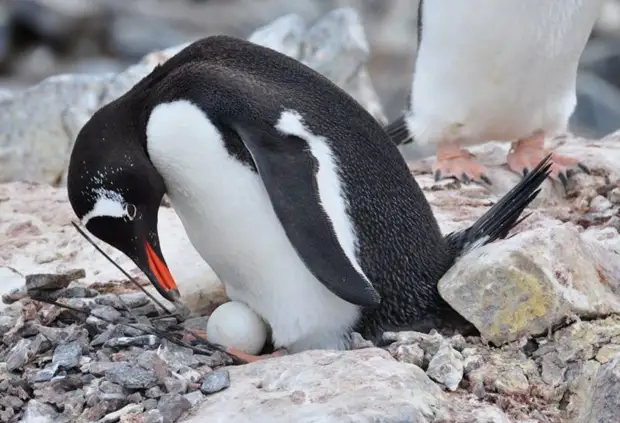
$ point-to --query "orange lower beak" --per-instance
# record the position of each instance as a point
(162, 274)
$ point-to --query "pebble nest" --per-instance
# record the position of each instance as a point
(100, 359)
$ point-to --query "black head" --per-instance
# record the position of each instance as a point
(116, 191)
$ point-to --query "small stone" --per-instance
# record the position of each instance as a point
(107, 313)
(175, 356)
(446, 367)
(605, 397)
(458, 342)
(165, 323)
(512, 381)
(607, 352)
(172, 406)
(118, 414)
(614, 195)
(552, 370)
(134, 299)
(14, 295)
(131, 376)
(67, 356)
(98, 368)
(154, 392)
(39, 412)
(46, 374)
(63, 335)
(111, 300)
(7, 322)
(175, 385)
(215, 381)
(10, 401)
(138, 341)
(76, 292)
(19, 355)
(600, 204)
(199, 322)
(150, 403)
(108, 387)
(135, 398)
(467, 352)
(430, 343)
(472, 362)
(145, 310)
(408, 353)
(111, 331)
(51, 282)
(194, 397)
(153, 416)
(358, 342)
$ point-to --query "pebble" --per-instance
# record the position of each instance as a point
(153, 416)
(215, 381)
(50, 282)
(149, 403)
(118, 414)
(108, 313)
(67, 356)
(76, 292)
(194, 397)
(14, 295)
(131, 376)
(408, 353)
(175, 385)
(46, 374)
(446, 367)
(19, 355)
(154, 392)
(138, 341)
(172, 406)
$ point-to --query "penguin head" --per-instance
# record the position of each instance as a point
(115, 191)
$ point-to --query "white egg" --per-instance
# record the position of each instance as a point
(235, 325)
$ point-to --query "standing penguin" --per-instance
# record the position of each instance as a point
(499, 70)
(288, 188)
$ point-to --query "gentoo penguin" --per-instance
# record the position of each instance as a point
(288, 188)
(495, 70)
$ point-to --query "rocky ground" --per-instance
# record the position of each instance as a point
(81, 343)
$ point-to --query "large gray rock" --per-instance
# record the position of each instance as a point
(531, 282)
(364, 385)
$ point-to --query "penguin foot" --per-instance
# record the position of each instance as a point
(240, 355)
(459, 164)
(250, 358)
(524, 155)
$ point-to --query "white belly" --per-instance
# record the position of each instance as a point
(498, 69)
(229, 219)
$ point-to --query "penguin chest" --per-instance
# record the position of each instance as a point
(229, 219)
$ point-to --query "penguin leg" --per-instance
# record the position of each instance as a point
(456, 162)
(526, 153)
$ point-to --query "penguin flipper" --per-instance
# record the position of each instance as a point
(289, 173)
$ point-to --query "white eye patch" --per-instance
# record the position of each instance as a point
(110, 204)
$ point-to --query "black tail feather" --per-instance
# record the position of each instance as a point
(504, 215)
(398, 132)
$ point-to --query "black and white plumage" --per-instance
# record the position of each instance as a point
(495, 70)
(289, 189)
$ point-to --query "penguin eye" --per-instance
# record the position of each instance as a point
(131, 211)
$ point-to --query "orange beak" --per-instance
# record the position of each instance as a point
(168, 287)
